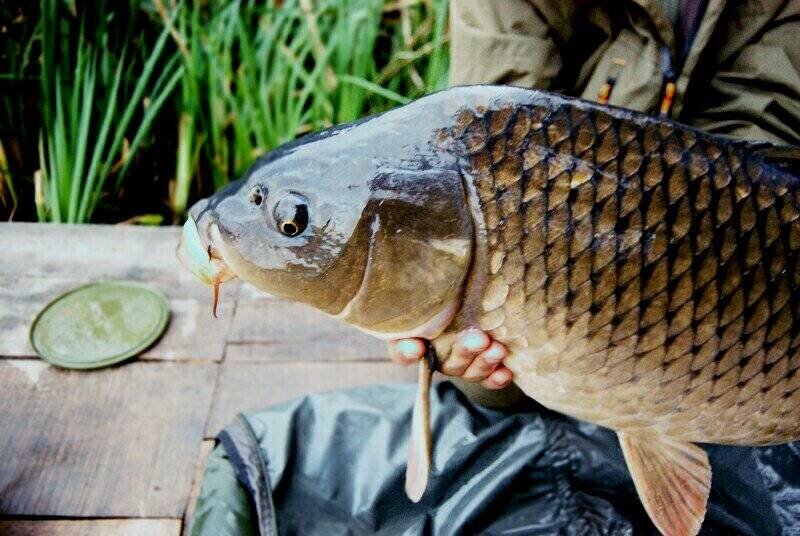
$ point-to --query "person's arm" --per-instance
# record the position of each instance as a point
(506, 41)
(755, 93)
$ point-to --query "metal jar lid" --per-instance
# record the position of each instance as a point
(99, 324)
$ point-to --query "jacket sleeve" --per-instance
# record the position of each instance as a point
(755, 94)
(505, 42)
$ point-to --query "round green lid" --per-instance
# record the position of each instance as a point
(99, 324)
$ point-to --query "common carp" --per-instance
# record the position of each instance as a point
(643, 274)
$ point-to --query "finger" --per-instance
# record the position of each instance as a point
(406, 351)
(469, 343)
(499, 378)
(496, 352)
(485, 363)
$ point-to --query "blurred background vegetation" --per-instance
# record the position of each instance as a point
(115, 111)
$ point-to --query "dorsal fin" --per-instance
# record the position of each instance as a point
(673, 480)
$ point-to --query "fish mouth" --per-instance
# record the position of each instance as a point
(197, 253)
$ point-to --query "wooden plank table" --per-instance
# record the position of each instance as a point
(120, 451)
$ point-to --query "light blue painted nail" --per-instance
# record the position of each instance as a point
(493, 354)
(408, 348)
(474, 341)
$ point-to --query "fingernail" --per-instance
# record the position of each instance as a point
(500, 380)
(408, 348)
(494, 353)
(474, 340)
(502, 383)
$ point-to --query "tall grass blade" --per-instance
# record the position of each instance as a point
(8, 194)
(372, 87)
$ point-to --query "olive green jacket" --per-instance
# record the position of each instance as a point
(741, 76)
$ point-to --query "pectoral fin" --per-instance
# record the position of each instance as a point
(672, 478)
(418, 466)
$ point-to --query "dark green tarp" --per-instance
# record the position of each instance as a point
(334, 463)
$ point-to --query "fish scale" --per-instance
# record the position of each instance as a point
(642, 274)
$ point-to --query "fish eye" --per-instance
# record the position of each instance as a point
(291, 214)
(256, 197)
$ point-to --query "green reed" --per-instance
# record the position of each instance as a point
(191, 90)
(100, 96)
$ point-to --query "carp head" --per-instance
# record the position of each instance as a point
(367, 222)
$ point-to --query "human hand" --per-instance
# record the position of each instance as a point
(475, 357)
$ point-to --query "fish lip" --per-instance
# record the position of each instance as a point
(216, 256)
(197, 253)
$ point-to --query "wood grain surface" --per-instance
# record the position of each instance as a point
(127, 443)
(118, 442)
(91, 527)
